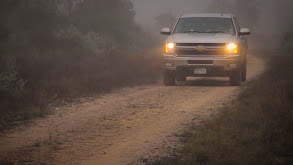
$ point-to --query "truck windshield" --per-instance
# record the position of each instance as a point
(205, 25)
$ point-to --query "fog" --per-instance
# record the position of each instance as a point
(268, 20)
(274, 17)
(147, 10)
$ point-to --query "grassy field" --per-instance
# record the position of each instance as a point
(255, 129)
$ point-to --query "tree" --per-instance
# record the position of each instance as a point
(246, 11)
(114, 18)
(165, 20)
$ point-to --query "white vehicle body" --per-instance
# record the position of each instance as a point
(205, 53)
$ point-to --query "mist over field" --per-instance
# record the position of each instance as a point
(147, 10)
(266, 18)
(270, 12)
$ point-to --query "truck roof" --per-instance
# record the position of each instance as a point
(208, 15)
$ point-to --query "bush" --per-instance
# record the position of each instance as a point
(10, 81)
(287, 44)
(91, 41)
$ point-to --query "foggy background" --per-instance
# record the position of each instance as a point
(147, 10)
(266, 18)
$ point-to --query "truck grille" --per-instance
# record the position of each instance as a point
(203, 44)
(195, 52)
(202, 62)
(189, 49)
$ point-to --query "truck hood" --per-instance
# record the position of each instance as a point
(201, 38)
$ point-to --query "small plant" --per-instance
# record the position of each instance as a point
(10, 81)
(287, 44)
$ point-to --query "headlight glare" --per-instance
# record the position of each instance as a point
(232, 48)
(169, 48)
(171, 45)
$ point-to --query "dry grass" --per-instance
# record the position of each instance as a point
(67, 71)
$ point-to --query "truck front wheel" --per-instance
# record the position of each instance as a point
(169, 78)
(244, 71)
(180, 77)
(236, 78)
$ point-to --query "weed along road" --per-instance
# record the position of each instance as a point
(120, 127)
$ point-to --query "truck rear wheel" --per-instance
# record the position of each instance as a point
(169, 78)
(236, 78)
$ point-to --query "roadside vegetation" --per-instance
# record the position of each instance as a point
(257, 128)
(66, 49)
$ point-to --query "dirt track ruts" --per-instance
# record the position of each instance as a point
(119, 127)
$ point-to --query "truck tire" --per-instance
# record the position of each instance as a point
(244, 71)
(236, 78)
(169, 78)
(180, 78)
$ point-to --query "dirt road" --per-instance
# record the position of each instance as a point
(119, 127)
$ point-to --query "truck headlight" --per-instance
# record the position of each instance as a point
(232, 48)
(169, 48)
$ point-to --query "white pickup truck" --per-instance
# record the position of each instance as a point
(205, 45)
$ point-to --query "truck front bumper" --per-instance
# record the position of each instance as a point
(216, 66)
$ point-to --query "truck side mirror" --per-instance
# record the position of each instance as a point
(244, 31)
(166, 31)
